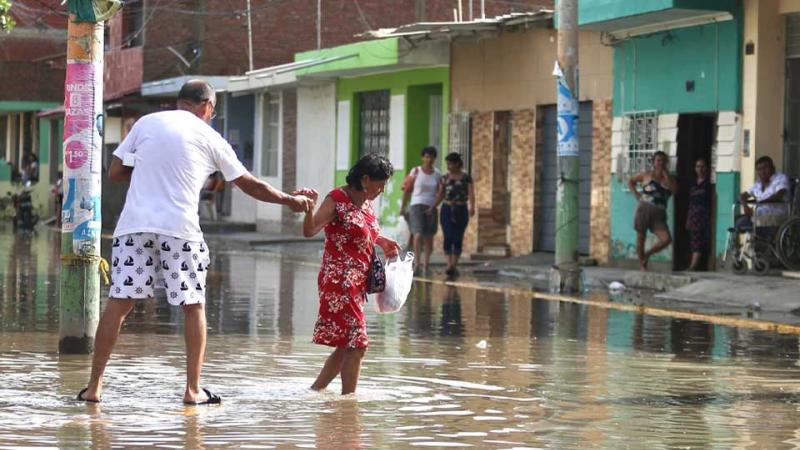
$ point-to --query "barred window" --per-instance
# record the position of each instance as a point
(271, 129)
(461, 137)
(374, 123)
(641, 134)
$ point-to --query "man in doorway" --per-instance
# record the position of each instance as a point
(167, 157)
(770, 194)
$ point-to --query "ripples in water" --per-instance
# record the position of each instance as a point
(455, 368)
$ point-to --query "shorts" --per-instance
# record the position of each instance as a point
(420, 222)
(140, 261)
(650, 217)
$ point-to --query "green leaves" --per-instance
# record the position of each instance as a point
(6, 22)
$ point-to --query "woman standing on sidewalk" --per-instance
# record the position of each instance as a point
(421, 194)
(458, 193)
(651, 212)
(351, 233)
(698, 220)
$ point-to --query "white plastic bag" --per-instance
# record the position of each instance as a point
(399, 276)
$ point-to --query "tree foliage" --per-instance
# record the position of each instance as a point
(6, 22)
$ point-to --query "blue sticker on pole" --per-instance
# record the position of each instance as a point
(567, 123)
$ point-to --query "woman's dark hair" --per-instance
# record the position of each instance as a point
(373, 165)
(660, 153)
(455, 158)
(430, 150)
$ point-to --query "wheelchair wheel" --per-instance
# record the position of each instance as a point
(739, 266)
(761, 266)
(789, 243)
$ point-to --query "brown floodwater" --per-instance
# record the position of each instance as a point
(456, 367)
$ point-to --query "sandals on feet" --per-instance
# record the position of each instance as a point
(80, 398)
(212, 399)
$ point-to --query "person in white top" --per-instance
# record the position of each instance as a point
(421, 195)
(167, 157)
(771, 193)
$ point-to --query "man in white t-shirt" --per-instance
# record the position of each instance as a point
(167, 158)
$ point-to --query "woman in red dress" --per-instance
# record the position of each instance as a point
(351, 233)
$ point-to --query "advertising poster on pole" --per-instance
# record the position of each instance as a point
(82, 155)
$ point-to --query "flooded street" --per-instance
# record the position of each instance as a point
(457, 367)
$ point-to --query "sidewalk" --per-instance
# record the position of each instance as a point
(774, 298)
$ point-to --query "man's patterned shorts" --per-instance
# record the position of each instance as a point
(140, 261)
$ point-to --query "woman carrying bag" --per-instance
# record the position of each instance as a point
(351, 233)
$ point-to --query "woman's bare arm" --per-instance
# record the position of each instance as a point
(315, 222)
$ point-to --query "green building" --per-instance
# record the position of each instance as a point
(391, 98)
(677, 88)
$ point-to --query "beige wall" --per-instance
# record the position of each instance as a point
(764, 73)
(788, 6)
(515, 71)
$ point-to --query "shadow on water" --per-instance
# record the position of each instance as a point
(456, 367)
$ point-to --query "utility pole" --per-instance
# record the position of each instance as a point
(566, 71)
(319, 24)
(81, 262)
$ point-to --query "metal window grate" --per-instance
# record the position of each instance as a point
(374, 123)
(793, 35)
(641, 134)
(461, 136)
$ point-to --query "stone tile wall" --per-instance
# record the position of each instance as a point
(600, 215)
(523, 131)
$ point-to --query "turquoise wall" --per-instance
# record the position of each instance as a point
(592, 11)
(623, 204)
(650, 72)
(623, 236)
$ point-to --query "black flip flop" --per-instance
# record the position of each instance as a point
(212, 399)
(80, 398)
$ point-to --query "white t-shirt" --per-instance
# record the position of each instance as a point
(772, 214)
(175, 152)
(425, 187)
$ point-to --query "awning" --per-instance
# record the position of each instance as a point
(280, 76)
(169, 87)
(434, 30)
(25, 106)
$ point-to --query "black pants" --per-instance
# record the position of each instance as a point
(454, 219)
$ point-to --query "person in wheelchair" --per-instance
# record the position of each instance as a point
(767, 201)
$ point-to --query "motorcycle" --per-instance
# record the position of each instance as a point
(25, 217)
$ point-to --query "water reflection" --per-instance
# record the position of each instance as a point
(456, 367)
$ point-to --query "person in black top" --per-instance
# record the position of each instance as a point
(698, 220)
(458, 193)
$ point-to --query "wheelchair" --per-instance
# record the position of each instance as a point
(759, 248)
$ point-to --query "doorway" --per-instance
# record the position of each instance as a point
(493, 222)
(696, 136)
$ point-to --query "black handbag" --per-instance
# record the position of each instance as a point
(376, 280)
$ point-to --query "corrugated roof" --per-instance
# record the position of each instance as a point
(451, 29)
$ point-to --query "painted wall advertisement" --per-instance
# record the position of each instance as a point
(83, 123)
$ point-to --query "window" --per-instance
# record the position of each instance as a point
(270, 138)
(133, 24)
(374, 123)
(461, 137)
(641, 132)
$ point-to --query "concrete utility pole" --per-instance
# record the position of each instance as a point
(81, 262)
(567, 215)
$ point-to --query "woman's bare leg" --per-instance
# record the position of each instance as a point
(332, 368)
(351, 369)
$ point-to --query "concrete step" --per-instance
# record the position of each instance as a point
(657, 281)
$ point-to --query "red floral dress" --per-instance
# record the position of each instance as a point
(342, 280)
